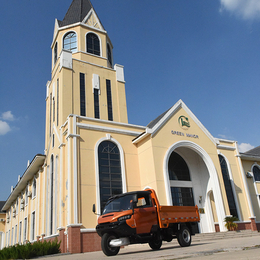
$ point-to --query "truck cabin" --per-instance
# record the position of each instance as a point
(128, 201)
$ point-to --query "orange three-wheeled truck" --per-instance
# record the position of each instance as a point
(137, 217)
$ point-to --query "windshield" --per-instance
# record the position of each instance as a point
(119, 204)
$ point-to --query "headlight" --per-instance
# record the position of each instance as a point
(124, 217)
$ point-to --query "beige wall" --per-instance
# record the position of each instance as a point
(2, 223)
(252, 187)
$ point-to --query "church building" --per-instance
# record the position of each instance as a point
(92, 152)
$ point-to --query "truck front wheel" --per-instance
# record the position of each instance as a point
(106, 248)
(184, 236)
(155, 243)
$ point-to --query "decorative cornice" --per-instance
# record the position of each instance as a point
(108, 129)
(226, 147)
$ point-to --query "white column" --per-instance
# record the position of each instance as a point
(75, 170)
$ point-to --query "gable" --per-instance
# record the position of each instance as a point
(92, 20)
(183, 117)
(179, 122)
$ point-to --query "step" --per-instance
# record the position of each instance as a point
(225, 235)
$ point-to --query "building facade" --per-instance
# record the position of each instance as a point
(92, 152)
(2, 225)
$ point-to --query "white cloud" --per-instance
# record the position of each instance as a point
(4, 128)
(248, 9)
(8, 116)
(243, 147)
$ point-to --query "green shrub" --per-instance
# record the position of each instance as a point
(230, 225)
(29, 250)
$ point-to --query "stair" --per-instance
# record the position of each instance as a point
(225, 235)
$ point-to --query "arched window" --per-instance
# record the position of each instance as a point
(178, 169)
(228, 186)
(55, 52)
(109, 54)
(70, 42)
(256, 172)
(182, 194)
(110, 179)
(93, 44)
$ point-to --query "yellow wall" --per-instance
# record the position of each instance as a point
(247, 165)
(2, 223)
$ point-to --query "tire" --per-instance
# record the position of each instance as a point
(184, 236)
(155, 243)
(106, 248)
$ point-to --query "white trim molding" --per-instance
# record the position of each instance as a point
(213, 178)
(88, 230)
(256, 190)
(249, 201)
(108, 129)
(232, 185)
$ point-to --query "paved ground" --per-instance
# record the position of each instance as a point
(235, 248)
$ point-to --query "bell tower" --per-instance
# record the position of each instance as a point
(84, 80)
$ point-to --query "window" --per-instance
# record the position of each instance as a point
(7, 237)
(110, 179)
(26, 195)
(53, 140)
(17, 201)
(93, 45)
(51, 194)
(181, 186)
(182, 196)
(178, 169)
(96, 103)
(109, 101)
(34, 188)
(53, 105)
(55, 52)
(70, 42)
(256, 172)
(82, 94)
(109, 55)
(1, 240)
(33, 227)
(228, 186)
(57, 102)
(144, 200)
(12, 236)
(20, 233)
(21, 202)
(25, 230)
(15, 234)
(50, 111)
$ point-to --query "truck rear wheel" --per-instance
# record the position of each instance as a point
(155, 243)
(184, 236)
(106, 248)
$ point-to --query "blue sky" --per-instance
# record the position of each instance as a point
(203, 52)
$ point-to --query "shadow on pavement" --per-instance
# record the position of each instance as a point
(162, 249)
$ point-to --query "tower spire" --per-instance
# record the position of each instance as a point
(76, 12)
